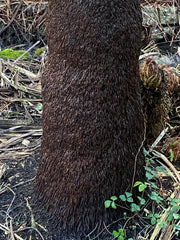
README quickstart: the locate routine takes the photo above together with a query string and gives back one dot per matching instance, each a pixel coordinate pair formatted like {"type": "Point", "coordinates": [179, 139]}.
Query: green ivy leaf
{"type": "Point", "coordinates": [135, 207]}
{"type": "Point", "coordinates": [154, 196]}
{"type": "Point", "coordinates": [148, 169]}
{"type": "Point", "coordinates": [113, 205]}
{"type": "Point", "coordinates": [175, 208]}
{"type": "Point", "coordinates": [157, 215]}
{"type": "Point", "coordinates": [152, 161]}
{"type": "Point", "coordinates": [137, 183]}
{"type": "Point", "coordinates": [149, 176]}
{"type": "Point", "coordinates": [130, 199]}
{"type": "Point", "coordinates": [128, 194]}
{"type": "Point", "coordinates": [150, 215]}
{"type": "Point", "coordinates": [121, 231]}
{"type": "Point", "coordinates": [107, 203]}
{"type": "Point", "coordinates": [163, 224]}
{"type": "Point", "coordinates": [115, 233]}
{"type": "Point", "coordinates": [161, 169]}
{"type": "Point", "coordinates": [146, 153]}
{"type": "Point", "coordinates": [153, 220]}
{"type": "Point", "coordinates": [153, 185]}
{"type": "Point", "coordinates": [173, 201]}
{"type": "Point", "coordinates": [176, 216]}
{"type": "Point", "coordinates": [170, 217]}
{"type": "Point", "coordinates": [120, 238]}
{"type": "Point", "coordinates": [142, 187]}
{"type": "Point", "coordinates": [114, 198]}
{"type": "Point", "coordinates": [142, 201]}
{"type": "Point", "coordinates": [123, 198]}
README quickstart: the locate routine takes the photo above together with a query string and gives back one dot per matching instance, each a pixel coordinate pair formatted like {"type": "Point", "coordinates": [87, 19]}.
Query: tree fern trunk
{"type": "Point", "coordinates": [93, 124]}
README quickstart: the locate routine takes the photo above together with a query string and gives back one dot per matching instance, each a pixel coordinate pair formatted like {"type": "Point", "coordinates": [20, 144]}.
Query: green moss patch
{"type": "Point", "coordinates": [9, 53]}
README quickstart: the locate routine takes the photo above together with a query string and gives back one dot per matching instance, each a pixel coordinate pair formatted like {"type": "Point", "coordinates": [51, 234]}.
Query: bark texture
{"type": "Point", "coordinates": [92, 119]}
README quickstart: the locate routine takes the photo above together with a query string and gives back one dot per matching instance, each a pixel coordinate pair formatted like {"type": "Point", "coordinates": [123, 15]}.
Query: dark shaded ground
{"type": "Point", "coordinates": [16, 198]}
{"type": "Point", "coordinates": [20, 212]}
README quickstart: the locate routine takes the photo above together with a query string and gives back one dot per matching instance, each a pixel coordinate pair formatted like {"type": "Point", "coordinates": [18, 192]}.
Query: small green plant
{"type": "Point", "coordinates": [171, 155]}
{"type": "Point", "coordinates": [155, 218]}
{"type": "Point", "coordinates": [150, 174]}
{"type": "Point", "coordinates": [174, 149]}
{"type": "Point", "coordinates": [160, 169]}
{"type": "Point", "coordinates": [126, 197]}
{"type": "Point", "coordinates": [141, 186]}
{"type": "Point", "coordinates": [173, 201]}
{"type": "Point", "coordinates": [155, 197]}
{"type": "Point", "coordinates": [111, 202]}
{"type": "Point", "coordinates": [135, 207]}
{"type": "Point", "coordinates": [142, 201]}
{"type": "Point", "coordinates": [163, 224]}
{"type": "Point", "coordinates": [173, 213]}
{"type": "Point", "coordinates": [120, 235]}
{"type": "Point", "coordinates": [148, 201]}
